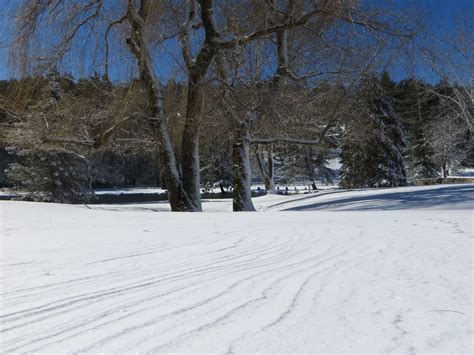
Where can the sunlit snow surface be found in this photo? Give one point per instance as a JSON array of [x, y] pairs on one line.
[[361, 271]]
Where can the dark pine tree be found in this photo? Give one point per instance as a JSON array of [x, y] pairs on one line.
[[374, 139], [413, 104]]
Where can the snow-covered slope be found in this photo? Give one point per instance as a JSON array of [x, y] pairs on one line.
[[438, 197], [125, 278]]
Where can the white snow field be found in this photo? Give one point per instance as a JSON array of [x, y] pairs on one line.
[[381, 271]]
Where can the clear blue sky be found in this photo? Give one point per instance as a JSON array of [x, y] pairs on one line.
[[442, 18]]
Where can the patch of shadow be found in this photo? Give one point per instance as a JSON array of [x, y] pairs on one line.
[[449, 198]]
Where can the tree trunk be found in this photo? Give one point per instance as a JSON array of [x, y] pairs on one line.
[[190, 145], [266, 169], [270, 185], [177, 197], [197, 69], [445, 170], [241, 169], [309, 171]]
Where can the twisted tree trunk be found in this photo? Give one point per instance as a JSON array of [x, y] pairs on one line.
[[197, 69]]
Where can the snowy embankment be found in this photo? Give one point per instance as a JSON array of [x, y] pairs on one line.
[[124, 278]]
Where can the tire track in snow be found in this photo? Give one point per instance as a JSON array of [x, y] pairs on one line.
[[187, 287], [140, 300], [263, 297], [290, 309], [135, 285], [258, 256]]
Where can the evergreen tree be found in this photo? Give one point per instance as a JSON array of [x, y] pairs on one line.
[[309, 162], [371, 151], [217, 168], [53, 175], [52, 154], [413, 104]]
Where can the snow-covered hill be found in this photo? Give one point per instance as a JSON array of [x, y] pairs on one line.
[[369, 271]]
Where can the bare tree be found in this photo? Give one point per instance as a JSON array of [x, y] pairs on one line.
[[450, 55], [448, 130]]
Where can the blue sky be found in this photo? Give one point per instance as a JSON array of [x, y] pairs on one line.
[[441, 18]]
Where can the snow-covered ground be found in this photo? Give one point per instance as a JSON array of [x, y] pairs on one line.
[[130, 190], [374, 271]]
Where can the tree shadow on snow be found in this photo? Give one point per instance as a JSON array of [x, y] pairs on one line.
[[450, 197]]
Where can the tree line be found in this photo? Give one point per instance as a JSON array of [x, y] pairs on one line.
[[393, 134]]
